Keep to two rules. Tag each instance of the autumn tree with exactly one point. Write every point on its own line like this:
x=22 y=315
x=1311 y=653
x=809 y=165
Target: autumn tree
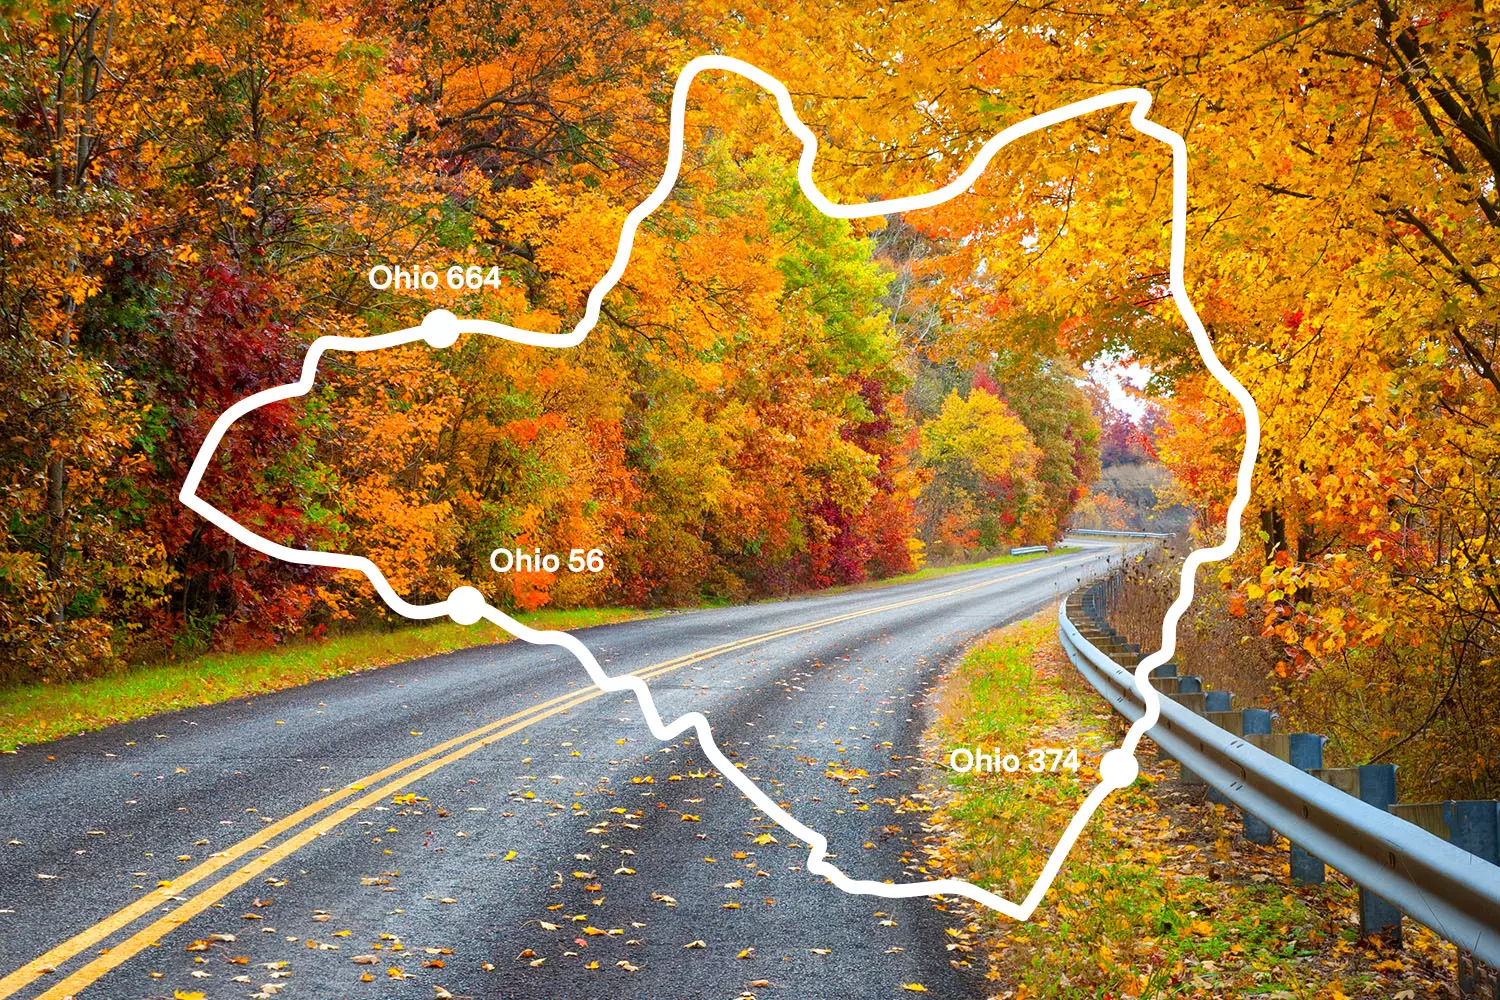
x=984 y=464
x=1341 y=251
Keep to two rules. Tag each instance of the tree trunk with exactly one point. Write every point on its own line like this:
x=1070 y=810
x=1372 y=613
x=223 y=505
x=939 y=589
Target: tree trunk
x=57 y=523
x=89 y=54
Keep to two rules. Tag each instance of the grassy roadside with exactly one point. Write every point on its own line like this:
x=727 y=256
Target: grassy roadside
x=34 y=713
x=1159 y=898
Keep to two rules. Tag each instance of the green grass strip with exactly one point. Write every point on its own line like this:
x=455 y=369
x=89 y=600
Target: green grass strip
x=34 y=713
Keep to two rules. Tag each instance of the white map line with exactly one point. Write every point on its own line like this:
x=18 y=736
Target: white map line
x=466 y=605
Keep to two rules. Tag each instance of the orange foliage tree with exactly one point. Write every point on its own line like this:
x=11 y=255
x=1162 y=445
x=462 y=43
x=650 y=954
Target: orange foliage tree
x=1342 y=251
x=192 y=192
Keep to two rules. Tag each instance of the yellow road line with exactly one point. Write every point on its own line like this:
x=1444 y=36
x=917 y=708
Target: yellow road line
x=151 y=933
x=158 y=928
x=70 y=948
x=219 y=859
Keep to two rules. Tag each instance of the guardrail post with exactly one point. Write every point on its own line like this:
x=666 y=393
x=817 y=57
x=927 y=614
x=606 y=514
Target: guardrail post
x=1475 y=827
x=1378 y=919
x=1166 y=672
x=1191 y=685
x=1216 y=709
x=1256 y=722
x=1196 y=702
x=1305 y=750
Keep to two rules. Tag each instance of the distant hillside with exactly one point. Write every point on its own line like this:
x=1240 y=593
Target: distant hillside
x=1126 y=496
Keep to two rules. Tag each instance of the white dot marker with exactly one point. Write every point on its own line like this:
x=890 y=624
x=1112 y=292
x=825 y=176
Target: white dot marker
x=441 y=328
x=1118 y=769
x=466 y=605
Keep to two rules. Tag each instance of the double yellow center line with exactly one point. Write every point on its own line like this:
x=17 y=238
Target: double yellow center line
x=360 y=796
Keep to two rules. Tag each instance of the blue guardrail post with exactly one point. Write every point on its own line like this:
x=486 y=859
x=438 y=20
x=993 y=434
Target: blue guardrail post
x=1378 y=919
x=1257 y=723
x=1306 y=753
x=1217 y=701
x=1475 y=827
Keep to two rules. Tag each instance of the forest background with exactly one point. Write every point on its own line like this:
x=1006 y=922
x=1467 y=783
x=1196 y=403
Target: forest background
x=774 y=400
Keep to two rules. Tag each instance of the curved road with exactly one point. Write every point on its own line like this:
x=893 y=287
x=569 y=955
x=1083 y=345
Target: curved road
x=487 y=824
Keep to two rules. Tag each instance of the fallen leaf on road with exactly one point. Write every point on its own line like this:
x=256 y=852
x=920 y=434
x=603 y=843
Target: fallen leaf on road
x=695 y=944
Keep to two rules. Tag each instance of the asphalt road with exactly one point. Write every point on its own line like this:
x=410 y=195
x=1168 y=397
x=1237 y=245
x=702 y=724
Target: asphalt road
x=487 y=824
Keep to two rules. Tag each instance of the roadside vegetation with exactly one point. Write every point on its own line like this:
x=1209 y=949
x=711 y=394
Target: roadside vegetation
x=1436 y=722
x=762 y=411
x=1159 y=897
x=36 y=712
x=931 y=572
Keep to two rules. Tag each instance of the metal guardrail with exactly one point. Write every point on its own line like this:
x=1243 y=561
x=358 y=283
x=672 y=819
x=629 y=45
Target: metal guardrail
x=1105 y=533
x=1440 y=885
x=1028 y=550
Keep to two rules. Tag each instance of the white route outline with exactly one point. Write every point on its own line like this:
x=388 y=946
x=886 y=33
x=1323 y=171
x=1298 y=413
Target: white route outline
x=466 y=605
